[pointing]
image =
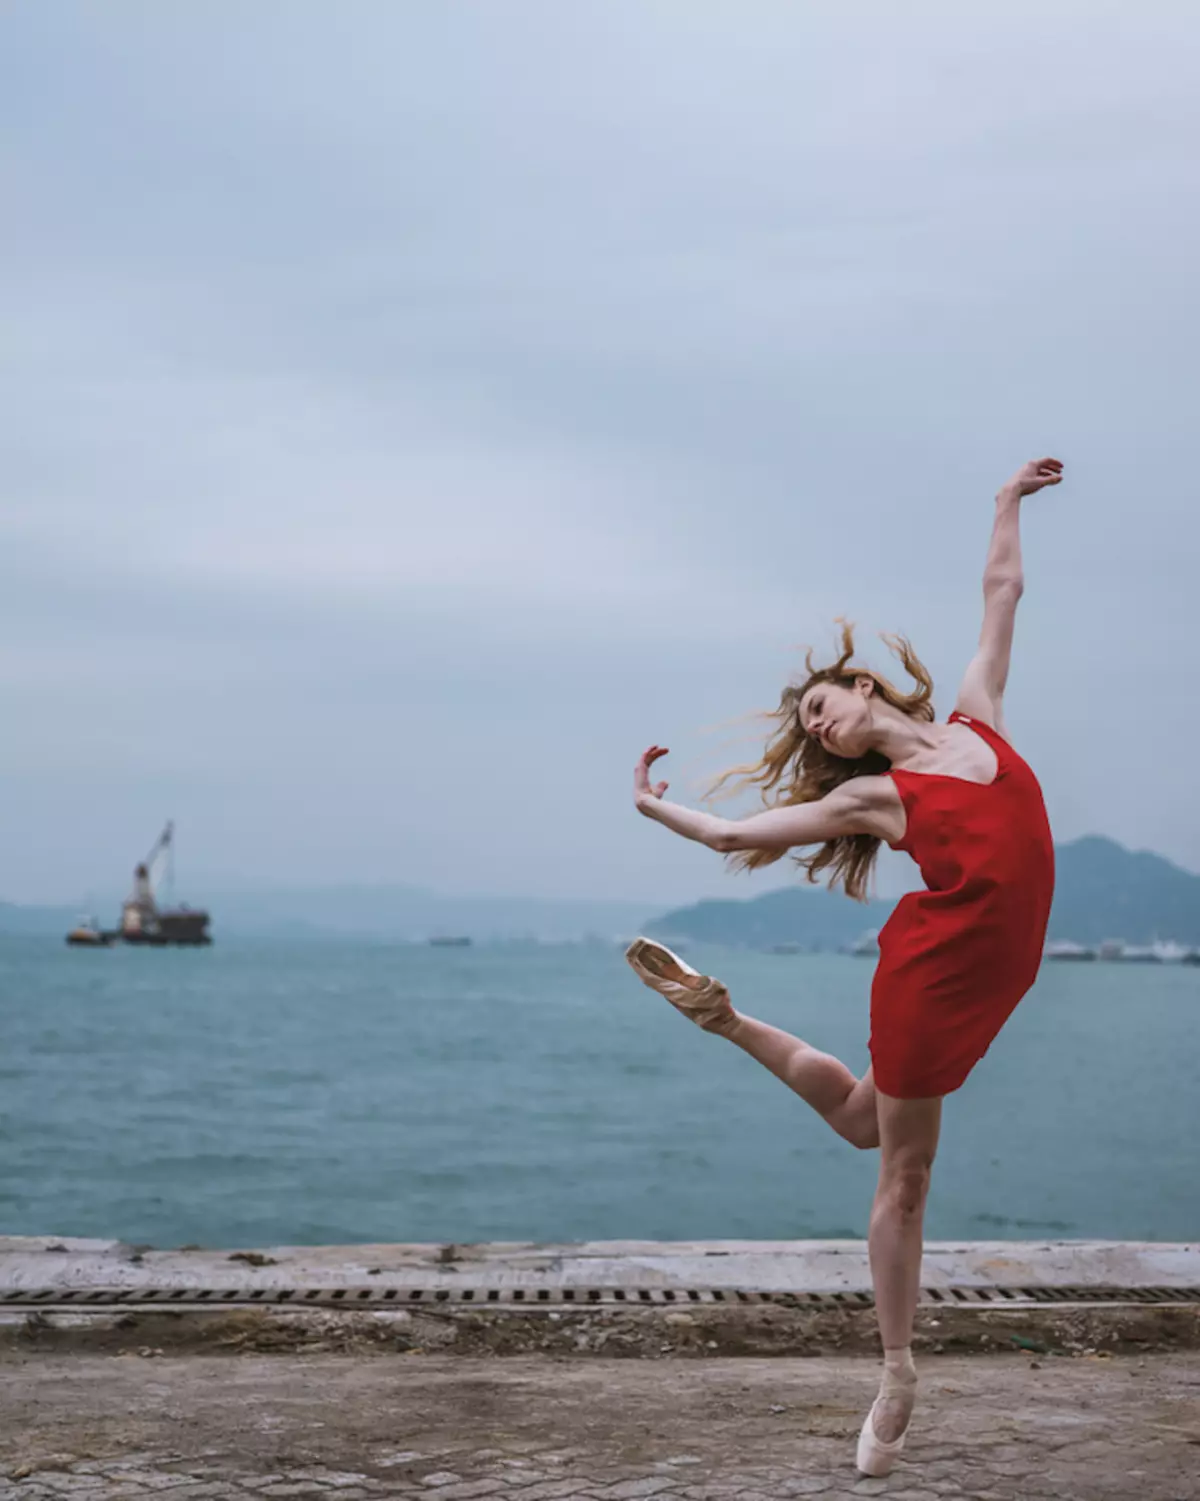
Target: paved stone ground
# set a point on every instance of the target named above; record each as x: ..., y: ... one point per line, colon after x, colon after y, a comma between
x: 203, y: 1428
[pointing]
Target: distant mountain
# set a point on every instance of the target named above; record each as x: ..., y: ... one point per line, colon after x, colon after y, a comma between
x: 1106, y: 891
x: 807, y: 915
x: 413, y: 913
x: 1103, y: 891
x: 37, y: 920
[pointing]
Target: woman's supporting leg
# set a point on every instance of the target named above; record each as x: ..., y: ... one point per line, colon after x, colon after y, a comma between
x: 822, y: 1081
x: 908, y: 1132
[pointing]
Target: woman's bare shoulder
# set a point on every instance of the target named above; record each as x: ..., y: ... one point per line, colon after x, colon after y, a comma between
x: 876, y: 806
x: 871, y: 791
x: 877, y: 803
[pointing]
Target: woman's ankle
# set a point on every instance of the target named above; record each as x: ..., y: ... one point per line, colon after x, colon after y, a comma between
x: 899, y: 1366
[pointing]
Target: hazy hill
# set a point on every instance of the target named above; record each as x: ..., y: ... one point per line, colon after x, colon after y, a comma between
x: 807, y: 915
x: 411, y: 912
x: 1106, y: 891
x: 37, y: 920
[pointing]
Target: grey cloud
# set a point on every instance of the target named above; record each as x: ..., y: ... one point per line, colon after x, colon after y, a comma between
x: 410, y: 412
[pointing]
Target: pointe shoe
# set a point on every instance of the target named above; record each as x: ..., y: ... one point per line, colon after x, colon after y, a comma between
x: 877, y: 1456
x: 706, y: 1003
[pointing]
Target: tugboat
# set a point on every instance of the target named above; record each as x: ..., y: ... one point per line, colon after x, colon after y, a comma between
x: 87, y: 934
x: 143, y: 921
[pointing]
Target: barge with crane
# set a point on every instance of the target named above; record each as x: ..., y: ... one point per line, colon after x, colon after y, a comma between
x: 143, y: 921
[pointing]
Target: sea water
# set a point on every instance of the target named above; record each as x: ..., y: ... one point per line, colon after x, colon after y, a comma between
x: 266, y: 1093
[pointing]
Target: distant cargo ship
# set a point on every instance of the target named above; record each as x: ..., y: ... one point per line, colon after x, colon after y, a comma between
x: 1115, y: 951
x: 1063, y: 948
x: 450, y: 941
x: 143, y: 921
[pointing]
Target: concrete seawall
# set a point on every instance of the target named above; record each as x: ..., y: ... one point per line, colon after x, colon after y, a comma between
x: 1029, y: 1271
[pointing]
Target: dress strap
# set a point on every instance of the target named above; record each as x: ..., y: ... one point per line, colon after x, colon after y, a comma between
x: 985, y: 732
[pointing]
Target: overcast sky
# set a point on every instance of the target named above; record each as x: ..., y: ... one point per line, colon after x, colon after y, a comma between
x: 411, y: 411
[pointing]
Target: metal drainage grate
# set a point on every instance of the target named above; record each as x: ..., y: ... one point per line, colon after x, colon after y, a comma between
x: 531, y: 1298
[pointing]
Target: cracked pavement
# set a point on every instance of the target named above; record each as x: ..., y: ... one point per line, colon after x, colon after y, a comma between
x: 204, y: 1428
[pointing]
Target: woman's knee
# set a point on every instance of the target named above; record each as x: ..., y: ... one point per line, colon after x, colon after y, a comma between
x: 856, y: 1122
x: 863, y: 1134
x: 856, y: 1119
x: 904, y: 1184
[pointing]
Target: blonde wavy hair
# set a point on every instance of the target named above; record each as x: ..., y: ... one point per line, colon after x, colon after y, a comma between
x: 796, y: 768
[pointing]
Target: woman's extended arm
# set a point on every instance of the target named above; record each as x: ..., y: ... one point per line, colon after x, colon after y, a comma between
x: 853, y: 808
x: 981, y: 694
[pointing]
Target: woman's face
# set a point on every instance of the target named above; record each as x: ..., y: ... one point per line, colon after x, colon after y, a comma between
x: 838, y: 716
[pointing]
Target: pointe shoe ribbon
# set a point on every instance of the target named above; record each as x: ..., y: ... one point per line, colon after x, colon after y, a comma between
x: 877, y: 1456
x: 699, y: 997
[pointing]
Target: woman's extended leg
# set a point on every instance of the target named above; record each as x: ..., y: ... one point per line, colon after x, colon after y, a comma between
x: 908, y: 1139
x: 821, y: 1080
x: 845, y: 1102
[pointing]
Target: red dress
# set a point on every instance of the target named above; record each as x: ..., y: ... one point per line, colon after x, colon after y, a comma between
x: 955, y: 959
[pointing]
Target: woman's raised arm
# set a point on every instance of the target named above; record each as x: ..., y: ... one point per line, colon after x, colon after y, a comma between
x: 853, y: 808
x: 981, y: 694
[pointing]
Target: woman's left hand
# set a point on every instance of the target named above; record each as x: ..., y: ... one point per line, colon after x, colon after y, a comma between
x: 642, y: 785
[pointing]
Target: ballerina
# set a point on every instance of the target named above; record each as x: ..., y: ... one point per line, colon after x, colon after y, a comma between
x: 853, y: 763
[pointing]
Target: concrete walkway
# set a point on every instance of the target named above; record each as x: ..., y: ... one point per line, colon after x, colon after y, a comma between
x: 204, y: 1428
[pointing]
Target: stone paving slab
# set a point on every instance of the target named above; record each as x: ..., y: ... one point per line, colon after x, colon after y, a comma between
x: 753, y: 1266
x: 207, y: 1428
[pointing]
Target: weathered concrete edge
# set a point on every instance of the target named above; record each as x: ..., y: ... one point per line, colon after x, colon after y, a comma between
x: 640, y: 1331
x: 752, y: 1266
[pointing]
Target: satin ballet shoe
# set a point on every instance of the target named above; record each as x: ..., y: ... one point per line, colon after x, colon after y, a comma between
x: 877, y: 1456
x: 701, y: 998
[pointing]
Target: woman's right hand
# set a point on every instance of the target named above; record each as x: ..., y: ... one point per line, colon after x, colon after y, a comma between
x: 1035, y: 476
x: 643, y: 788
